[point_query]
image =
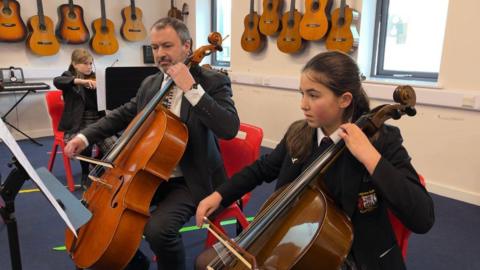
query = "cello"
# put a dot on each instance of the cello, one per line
(300, 227)
(121, 191)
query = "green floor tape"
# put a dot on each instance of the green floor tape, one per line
(182, 230)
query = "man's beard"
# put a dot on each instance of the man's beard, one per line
(164, 59)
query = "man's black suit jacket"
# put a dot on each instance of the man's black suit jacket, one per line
(214, 116)
(394, 183)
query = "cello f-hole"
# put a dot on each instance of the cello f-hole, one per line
(114, 202)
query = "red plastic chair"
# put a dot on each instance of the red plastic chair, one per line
(401, 232)
(237, 153)
(55, 110)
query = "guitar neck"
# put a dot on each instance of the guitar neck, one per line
(134, 10)
(315, 5)
(291, 14)
(104, 14)
(41, 16)
(251, 11)
(172, 5)
(5, 3)
(343, 4)
(70, 4)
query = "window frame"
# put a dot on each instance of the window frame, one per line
(214, 60)
(380, 37)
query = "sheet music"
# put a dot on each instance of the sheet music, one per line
(100, 78)
(8, 139)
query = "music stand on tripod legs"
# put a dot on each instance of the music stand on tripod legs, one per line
(8, 191)
(11, 109)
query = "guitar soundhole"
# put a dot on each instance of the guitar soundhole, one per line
(315, 6)
(270, 6)
(72, 15)
(341, 21)
(134, 17)
(9, 24)
(44, 43)
(290, 23)
(42, 27)
(104, 29)
(251, 25)
(7, 11)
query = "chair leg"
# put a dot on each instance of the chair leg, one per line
(53, 154)
(210, 237)
(242, 221)
(68, 171)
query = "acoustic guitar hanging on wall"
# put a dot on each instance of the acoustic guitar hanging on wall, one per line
(132, 26)
(289, 40)
(41, 38)
(12, 27)
(314, 24)
(270, 18)
(174, 12)
(71, 27)
(103, 40)
(343, 36)
(252, 39)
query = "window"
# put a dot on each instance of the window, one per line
(221, 22)
(409, 37)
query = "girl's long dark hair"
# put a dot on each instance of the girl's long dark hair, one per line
(339, 73)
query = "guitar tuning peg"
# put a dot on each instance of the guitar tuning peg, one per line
(410, 111)
(185, 9)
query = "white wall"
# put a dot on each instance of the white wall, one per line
(441, 139)
(31, 115)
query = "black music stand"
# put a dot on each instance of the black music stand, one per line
(122, 83)
(4, 117)
(15, 75)
(8, 191)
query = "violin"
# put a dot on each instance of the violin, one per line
(123, 187)
(300, 227)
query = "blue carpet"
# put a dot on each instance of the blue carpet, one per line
(451, 244)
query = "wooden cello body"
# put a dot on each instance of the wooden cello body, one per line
(120, 205)
(314, 228)
(300, 227)
(119, 197)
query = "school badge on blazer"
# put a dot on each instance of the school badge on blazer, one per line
(367, 201)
